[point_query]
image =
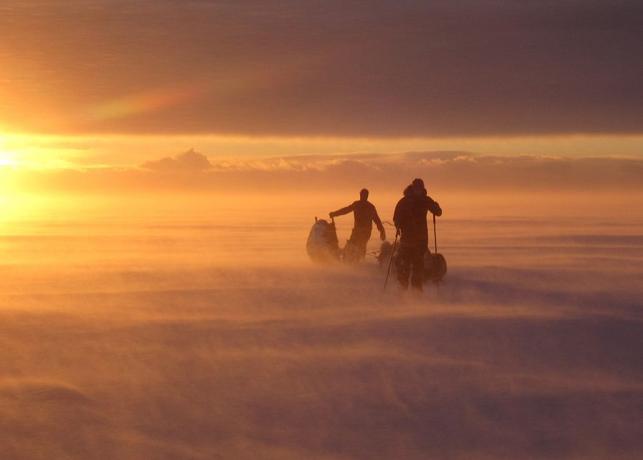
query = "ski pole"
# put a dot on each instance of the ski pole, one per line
(390, 261)
(435, 235)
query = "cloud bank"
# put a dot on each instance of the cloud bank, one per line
(190, 161)
(305, 67)
(444, 170)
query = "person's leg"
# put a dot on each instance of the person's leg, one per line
(417, 278)
(360, 244)
(403, 266)
(357, 246)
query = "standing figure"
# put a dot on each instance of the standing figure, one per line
(410, 219)
(365, 214)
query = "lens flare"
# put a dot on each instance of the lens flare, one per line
(148, 101)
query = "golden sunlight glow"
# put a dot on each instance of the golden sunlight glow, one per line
(8, 187)
(7, 159)
(37, 151)
(34, 151)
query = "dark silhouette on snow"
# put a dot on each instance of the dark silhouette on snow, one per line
(410, 220)
(365, 214)
(322, 244)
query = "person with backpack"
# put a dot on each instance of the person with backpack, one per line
(365, 214)
(410, 222)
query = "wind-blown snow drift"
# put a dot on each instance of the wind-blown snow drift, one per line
(187, 337)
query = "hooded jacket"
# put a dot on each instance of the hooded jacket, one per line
(410, 217)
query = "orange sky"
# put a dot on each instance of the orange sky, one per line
(97, 82)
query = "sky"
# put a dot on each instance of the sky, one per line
(162, 163)
(98, 82)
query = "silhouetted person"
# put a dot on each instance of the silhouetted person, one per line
(365, 214)
(410, 220)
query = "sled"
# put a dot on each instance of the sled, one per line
(435, 265)
(322, 244)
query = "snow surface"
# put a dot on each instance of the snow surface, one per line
(186, 335)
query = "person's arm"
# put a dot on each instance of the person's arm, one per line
(378, 223)
(433, 206)
(342, 211)
(397, 217)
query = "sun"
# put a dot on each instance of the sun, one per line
(7, 159)
(8, 169)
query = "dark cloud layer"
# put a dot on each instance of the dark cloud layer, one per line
(378, 68)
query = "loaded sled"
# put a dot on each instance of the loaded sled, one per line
(435, 265)
(322, 246)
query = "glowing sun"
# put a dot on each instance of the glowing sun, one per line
(7, 159)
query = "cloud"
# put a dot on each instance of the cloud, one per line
(190, 161)
(304, 67)
(443, 169)
(387, 172)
